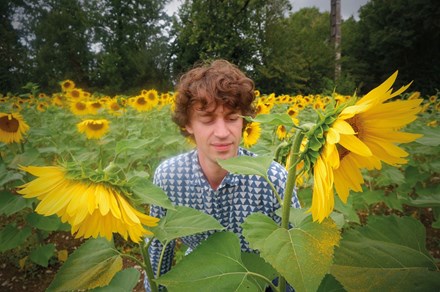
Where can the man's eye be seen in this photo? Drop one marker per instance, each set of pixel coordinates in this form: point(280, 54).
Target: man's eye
point(206, 120)
point(234, 117)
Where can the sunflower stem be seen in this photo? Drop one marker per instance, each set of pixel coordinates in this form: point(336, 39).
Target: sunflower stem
point(147, 266)
point(290, 185)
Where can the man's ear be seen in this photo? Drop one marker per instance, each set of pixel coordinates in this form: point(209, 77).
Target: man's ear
point(189, 129)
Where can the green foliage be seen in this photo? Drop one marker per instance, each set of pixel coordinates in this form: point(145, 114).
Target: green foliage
point(227, 269)
point(307, 248)
point(184, 221)
point(387, 252)
point(125, 280)
point(11, 237)
point(394, 35)
point(42, 254)
point(10, 203)
point(297, 57)
point(92, 264)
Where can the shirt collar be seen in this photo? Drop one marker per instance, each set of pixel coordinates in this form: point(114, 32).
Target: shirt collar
point(198, 178)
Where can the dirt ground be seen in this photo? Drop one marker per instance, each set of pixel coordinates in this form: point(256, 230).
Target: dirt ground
point(35, 278)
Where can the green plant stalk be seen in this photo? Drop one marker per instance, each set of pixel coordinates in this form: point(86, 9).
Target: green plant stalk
point(147, 267)
point(290, 185)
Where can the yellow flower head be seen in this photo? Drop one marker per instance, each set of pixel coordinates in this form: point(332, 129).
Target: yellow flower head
point(251, 134)
point(42, 106)
point(67, 85)
point(57, 100)
point(12, 128)
point(75, 94)
point(94, 129)
point(94, 106)
point(151, 96)
point(114, 108)
point(79, 108)
point(363, 135)
point(261, 107)
point(141, 103)
point(281, 132)
point(92, 209)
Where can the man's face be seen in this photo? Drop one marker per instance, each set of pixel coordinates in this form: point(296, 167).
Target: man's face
point(217, 132)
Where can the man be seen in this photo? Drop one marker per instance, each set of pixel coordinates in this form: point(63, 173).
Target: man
point(209, 108)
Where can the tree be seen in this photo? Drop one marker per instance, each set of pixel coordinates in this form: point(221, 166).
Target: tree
point(395, 35)
point(14, 69)
point(299, 57)
point(130, 44)
point(60, 45)
point(233, 30)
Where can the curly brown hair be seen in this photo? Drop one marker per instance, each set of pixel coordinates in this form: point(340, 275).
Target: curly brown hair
point(213, 83)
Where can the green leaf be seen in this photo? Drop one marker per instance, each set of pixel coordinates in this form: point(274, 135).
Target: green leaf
point(247, 165)
point(123, 281)
point(184, 221)
point(145, 192)
point(225, 271)
point(388, 254)
point(330, 284)
point(274, 119)
point(431, 136)
point(42, 254)
point(347, 209)
point(46, 223)
point(132, 144)
point(11, 237)
point(373, 196)
point(9, 176)
point(390, 175)
point(302, 255)
point(425, 201)
point(10, 203)
point(93, 264)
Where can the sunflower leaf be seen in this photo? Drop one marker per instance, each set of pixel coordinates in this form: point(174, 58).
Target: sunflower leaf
point(46, 223)
point(93, 264)
point(10, 203)
point(307, 248)
point(391, 250)
point(11, 237)
point(248, 165)
point(228, 268)
point(124, 280)
point(184, 221)
point(145, 192)
point(128, 144)
point(273, 119)
point(42, 254)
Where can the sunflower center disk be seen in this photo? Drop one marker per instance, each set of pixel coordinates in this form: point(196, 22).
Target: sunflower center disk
point(95, 127)
point(9, 125)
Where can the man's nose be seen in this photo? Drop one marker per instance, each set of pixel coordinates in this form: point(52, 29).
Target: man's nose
point(221, 128)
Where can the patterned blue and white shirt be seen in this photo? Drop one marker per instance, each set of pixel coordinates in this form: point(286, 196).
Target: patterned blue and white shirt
point(238, 196)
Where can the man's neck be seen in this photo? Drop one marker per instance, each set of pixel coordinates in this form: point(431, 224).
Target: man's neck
point(213, 173)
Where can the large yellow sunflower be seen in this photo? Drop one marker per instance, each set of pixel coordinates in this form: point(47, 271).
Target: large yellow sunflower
point(251, 134)
point(363, 136)
point(12, 128)
point(94, 129)
point(92, 209)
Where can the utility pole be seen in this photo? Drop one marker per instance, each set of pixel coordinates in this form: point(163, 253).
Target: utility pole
point(335, 23)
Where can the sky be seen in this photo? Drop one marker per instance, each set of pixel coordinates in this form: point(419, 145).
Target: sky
point(348, 7)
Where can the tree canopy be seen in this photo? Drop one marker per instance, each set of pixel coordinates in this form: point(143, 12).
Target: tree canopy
point(121, 46)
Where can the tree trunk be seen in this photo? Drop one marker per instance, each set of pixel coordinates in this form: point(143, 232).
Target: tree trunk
point(335, 22)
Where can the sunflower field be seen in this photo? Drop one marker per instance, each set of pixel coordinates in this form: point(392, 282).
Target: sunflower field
point(366, 170)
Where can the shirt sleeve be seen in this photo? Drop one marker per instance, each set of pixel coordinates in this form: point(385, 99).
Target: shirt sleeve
point(156, 247)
